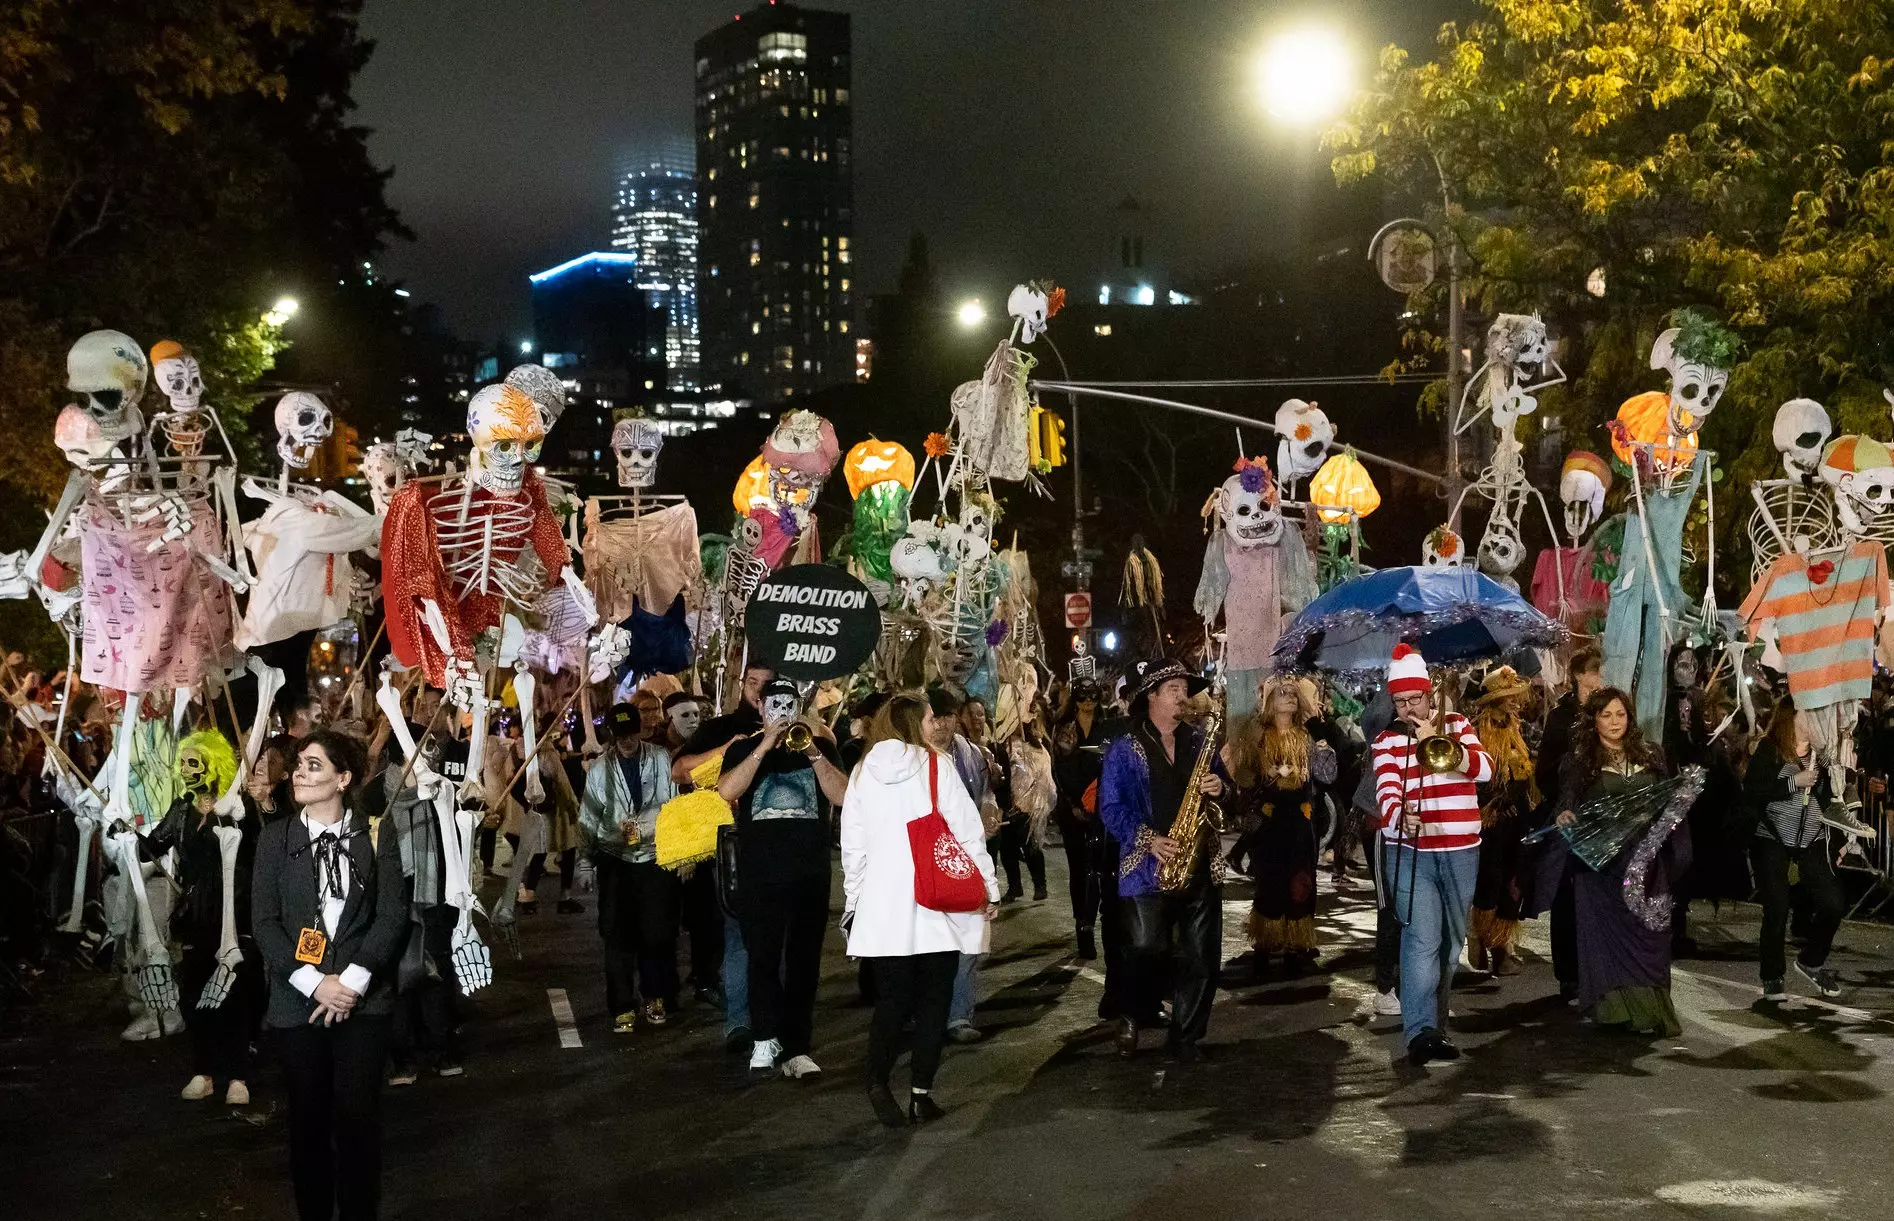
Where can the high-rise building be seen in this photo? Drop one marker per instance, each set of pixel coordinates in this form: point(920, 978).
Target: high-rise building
point(775, 203)
point(655, 218)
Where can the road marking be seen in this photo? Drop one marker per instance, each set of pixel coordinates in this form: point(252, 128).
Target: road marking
point(1813, 1002)
point(562, 1015)
point(1093, 975)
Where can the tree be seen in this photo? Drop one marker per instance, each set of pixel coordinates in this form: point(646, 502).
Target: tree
point(168, 168)
point(1731, 154)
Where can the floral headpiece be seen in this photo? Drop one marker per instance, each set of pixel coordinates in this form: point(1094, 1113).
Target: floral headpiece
point(1253, 476)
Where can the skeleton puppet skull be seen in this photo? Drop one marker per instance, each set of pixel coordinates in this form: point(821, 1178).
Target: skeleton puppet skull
point(1028, 304)
point(1306, 434)
point(1250, 506)
point(635, 445)
point(543, 386)
point(1697, 353)
point(1582, 486)
point(1501, 551)
point(178, 375)
point(77, 434)
point(1443, 548)
point(108, 368)
point(303, 423)
point(1801, 432)
point(381, 468)
point(1517, 346)
point(1861, 470)
point(504, 423)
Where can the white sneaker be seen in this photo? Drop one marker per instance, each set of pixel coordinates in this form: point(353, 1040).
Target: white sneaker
point(763, 1054)
point(144, 1027)
point(1387, 1004)
point(797, 1067)
point(237, 1094)
point(198, 1089)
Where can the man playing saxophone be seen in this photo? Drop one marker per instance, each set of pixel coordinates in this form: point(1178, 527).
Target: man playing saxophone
point(1427, 769)
point(1151, 774)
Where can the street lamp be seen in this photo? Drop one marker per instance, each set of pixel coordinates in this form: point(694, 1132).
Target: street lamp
point(526, 347)
point(1305, 75)
point(971, 313)
point(284, 309)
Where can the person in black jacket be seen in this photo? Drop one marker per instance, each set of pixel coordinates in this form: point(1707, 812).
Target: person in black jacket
point(1783, 796)
point(1588, 677)
point(329, 907)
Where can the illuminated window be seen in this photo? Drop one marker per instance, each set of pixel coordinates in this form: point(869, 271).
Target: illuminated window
point(844, 285)
point(841, 97)
point(745, 359)
point(842, 326)
point(1102, 330)
point(756, 197)
point(783, 47)
point(756, 328)
point(755, 258)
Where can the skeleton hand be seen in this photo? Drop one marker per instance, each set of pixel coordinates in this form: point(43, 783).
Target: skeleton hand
point(465, 687)
point(168, 506)
point(605, 651)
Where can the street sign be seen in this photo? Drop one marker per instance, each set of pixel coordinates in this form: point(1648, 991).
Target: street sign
point(1078, 610)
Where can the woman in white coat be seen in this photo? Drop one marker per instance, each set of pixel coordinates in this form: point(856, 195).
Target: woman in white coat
point(913, 951)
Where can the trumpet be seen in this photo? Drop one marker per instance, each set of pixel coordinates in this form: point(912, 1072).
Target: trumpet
point(799, 738)
point(1440, 753)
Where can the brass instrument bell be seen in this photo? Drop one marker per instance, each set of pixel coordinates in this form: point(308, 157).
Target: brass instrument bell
point(1440, 753)
point(799, 738)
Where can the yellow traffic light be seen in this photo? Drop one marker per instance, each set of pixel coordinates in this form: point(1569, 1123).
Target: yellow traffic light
point(1051, 438)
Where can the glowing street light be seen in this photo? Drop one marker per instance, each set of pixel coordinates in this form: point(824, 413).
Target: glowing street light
point(526, 347)
point(971, 314)
point(1305, 75)
point(284, 309)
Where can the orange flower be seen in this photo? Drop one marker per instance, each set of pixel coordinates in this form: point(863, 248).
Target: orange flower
point(1055, 301)
point(936, 445)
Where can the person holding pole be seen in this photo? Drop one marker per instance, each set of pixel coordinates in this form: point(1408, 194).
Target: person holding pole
point(1427, 770)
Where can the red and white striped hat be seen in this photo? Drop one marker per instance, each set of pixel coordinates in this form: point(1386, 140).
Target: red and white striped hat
point(1407, 671)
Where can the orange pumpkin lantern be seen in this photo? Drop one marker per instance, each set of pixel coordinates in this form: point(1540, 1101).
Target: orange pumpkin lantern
point(1645, 418)
point(1343, 483)
point(874, 462)
point(752, 490)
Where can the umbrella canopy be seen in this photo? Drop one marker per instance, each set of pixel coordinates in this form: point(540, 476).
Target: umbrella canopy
point(1449, 614)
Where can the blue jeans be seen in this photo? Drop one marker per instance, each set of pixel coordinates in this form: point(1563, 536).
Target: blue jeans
point(960, 1013)
point(736, 979)
point(1433, 894)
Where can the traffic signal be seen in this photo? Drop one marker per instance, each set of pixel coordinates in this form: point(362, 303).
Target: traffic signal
point(1049, 433)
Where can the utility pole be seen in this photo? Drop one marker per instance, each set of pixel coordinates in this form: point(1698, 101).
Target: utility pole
point(1456, 341)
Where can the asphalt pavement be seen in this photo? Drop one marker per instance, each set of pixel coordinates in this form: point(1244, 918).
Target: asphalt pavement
point(1306, 1110)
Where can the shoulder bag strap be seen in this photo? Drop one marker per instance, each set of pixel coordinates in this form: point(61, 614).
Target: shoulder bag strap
point(933, 781)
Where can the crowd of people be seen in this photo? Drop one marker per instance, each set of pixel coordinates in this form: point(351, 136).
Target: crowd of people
point(1470, 801)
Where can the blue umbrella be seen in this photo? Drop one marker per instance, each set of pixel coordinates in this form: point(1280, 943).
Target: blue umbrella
point(1449, 614)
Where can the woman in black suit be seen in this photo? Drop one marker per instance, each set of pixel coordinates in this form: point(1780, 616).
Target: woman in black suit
point(329, 909)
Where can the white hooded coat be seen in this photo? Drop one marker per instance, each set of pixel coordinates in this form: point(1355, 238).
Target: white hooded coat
point(888, 791)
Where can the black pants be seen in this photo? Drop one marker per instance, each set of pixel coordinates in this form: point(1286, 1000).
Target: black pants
point(1819, 888)
point(427, 1009)
point(1184, 928)
point(1015, 846)
point(1565, 935)
point(703, 921)
point(220, 1037)
point(783, 930)
point(637, 917)
point(1387, 926)
point(485, 838)
point(1080, 840)
point(918, 986)
point(332, 1078)
point(536, 869)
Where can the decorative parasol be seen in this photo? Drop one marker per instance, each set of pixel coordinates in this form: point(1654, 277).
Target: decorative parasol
point(1450, 614)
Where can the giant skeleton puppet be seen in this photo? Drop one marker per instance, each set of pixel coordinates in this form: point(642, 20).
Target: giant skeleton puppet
point(1562, 582)
point(1256, 574)
point(463, 559)
point(1518, 364)
point(1796, 513)
point(1655, 436)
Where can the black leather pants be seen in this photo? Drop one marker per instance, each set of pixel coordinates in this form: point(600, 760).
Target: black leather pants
point(1186, 927)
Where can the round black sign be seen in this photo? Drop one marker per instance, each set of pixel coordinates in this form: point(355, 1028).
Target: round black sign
point(811, 622)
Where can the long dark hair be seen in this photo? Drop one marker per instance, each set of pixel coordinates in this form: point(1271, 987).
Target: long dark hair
point(1590, 749)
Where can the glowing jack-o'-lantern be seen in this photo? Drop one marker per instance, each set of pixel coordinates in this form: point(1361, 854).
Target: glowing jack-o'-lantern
point(1646, 419)
point(1343, 483)
point(873, 462)
point(752, 490)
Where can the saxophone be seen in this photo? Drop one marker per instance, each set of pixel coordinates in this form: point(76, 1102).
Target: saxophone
point(1197, 816)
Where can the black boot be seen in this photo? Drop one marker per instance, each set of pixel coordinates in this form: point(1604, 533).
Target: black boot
point(1127, 1037)
point(923, 1109)
point(1088, 946)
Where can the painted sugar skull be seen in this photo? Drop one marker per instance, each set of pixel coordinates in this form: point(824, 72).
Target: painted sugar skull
point(1697, 353)
point(77, 434)
point(1306, 434)
point(504, 424)
point(381, 470)
point(636, 443)
point(543, 386)
point(178, 375)
point(1583, 482)
point(1443, 548)
point(110, 370)
point(1861, 470)
point(748, 536)
point(303, 423)
point(1801, 433)
point(1249, 505)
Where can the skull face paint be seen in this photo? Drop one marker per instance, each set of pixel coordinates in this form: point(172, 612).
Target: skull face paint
point(636, 444)
point(504, 424)
point(303, 423)
point(1250, 506)
point(1800, 433)
point(110, 370)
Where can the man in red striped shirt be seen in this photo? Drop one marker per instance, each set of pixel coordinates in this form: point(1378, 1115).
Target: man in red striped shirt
point(1430, 827)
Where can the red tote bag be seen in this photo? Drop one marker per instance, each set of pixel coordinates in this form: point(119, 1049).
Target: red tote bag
point(945, 877)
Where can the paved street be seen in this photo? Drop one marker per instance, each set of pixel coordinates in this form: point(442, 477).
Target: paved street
point(1304, 1112)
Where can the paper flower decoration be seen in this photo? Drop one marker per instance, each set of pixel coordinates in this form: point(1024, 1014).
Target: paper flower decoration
point(936, 445)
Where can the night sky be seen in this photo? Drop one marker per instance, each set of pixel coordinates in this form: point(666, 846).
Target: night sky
point(1005, 130)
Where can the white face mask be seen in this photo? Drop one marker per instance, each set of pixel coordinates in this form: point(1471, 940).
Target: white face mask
point(685, 718)
point(779, 708)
